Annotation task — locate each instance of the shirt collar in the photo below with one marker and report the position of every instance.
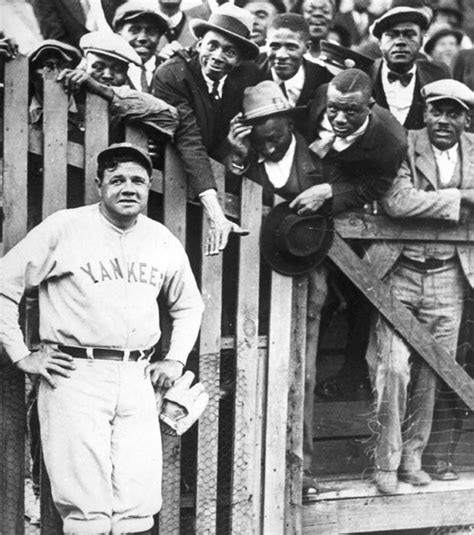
(386, 70)
(295, 81)
(288, 154)
(175, 19)
(451, 153)
(210, 83)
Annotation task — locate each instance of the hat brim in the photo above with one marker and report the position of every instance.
(387, 21)
(135, 153)
(292, 112)
(68, 54)
(248, 48)
(436, 98)
(112, 55)
(431, 43)
(285, 263)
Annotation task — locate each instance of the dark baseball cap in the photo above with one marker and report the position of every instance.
(135, 152)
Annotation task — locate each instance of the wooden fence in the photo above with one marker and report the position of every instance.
(264, 465)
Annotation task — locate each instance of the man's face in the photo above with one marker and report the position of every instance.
(52, 61)
(106, 70)
(218, 55)
(400, 45)
(143, 35)
(318, 14)
(346, 111)
(263, 14)
(272, 137)
(285, 51)
(445, 120)
(124, 192)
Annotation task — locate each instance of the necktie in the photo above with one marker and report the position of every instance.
(404, 79)
(283, 89)
(143, 81)
(215, 96)
(323, 144)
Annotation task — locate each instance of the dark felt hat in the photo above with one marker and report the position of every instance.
(439, 33)
(338, 58)
(233, 22)
(135, 153)
(293, 244)
(414, 11)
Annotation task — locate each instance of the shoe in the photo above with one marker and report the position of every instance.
(442, 471)
(418, 478)
(386, 481)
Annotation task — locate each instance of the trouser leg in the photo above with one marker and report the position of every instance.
(317, 292)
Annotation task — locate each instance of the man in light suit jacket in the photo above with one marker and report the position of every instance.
(399, 76)
(435, 182)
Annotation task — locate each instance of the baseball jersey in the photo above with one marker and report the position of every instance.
(98, 284)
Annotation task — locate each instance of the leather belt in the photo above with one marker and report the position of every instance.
(429, 264)
(101, 353)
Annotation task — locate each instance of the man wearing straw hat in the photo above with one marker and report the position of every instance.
(100, 269)
(206, 85)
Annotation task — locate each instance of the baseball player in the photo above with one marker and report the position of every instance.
(100, 269)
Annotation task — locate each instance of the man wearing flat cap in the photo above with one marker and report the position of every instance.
(206, 85)
(142, 26)
(399, 76)
(100, 269)
(435, 182)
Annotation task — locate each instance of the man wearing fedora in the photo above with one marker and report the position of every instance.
(206, 85)
(431, 279)
(287, 42)
(399, 76)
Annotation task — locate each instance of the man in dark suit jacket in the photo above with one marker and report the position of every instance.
(287, 43)
(207, 87)
(399, 76)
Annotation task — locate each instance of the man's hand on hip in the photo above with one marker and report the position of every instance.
(164, 373)
(47, 362)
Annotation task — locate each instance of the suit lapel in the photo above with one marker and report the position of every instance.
(467, 162)
(425, 162)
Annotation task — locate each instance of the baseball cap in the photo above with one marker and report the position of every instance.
(126, 149)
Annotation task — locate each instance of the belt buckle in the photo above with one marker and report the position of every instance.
(126, 355)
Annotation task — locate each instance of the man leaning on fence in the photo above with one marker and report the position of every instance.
(100, 269)
(435, 182)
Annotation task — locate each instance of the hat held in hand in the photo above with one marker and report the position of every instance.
(181, 405)
(292, 244)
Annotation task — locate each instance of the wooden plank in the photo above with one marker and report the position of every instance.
(174, 187)
(75, 152)
(362, 226)
(12, 381)
(209, 375)
(362, 274)
(55, 110)
(279, 342)
(96, 139)
(294, 445)
(135, 135)
(246, 472)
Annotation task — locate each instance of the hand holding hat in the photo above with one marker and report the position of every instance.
(181, 405)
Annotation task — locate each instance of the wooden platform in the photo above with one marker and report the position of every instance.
(355, 506)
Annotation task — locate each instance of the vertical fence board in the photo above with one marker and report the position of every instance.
(247, 426)
(209, 375)
(279, 341)
(55, 110)
(12, 381)
(137, 137)
(96, 138)
(174, 190)
(294, 456)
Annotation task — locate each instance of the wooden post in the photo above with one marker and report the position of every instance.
(96, 138)
(246, 473)
(12, 381)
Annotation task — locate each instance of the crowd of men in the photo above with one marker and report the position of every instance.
(332, 111)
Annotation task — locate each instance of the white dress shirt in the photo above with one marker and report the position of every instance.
(279, 172)
(135, 73)
(399, 98)
(446, 161)
(210, 84)
(293, 86)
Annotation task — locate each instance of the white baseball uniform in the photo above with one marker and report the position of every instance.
(98, 287)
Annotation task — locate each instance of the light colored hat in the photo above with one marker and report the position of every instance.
(133, 9)
(265, 99)
(68, 52)
(232, 21)
(109, 44)
(448, 90)
(414, 11)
